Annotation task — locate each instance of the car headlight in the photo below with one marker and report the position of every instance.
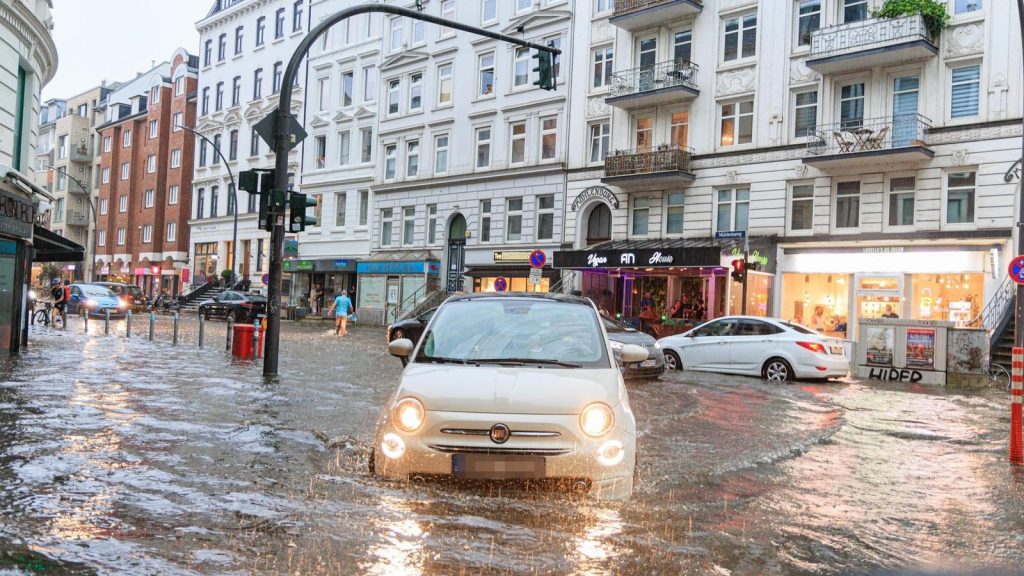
(409, 414)
(122, 303)
(616, 345)
(596, 420)
(90, 303)
(657, 345)
(31, 294)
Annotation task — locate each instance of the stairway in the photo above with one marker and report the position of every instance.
(1002, 345)
(192, 299)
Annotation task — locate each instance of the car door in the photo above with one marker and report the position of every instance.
(219, 304)
(751, 344)
(707, 348)
(75, 302)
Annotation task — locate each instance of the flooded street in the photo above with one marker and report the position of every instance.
(126, 456)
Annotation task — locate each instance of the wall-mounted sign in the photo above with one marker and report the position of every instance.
(298, 266)
(595, 192)
(399, 267)
(646, 258)
(291, 248)
(16, 216)
(754, 256)
(512, 256)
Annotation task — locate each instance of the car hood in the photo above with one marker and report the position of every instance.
(508, 390)
(638, 338)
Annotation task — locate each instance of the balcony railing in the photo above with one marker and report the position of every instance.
(77, 219)
(661, 75)
(627, 6)
(667, 158)
(80, 154)
(866, 35)
(868, 135)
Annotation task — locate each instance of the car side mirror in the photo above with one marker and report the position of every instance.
(632, 354)
(402, 349)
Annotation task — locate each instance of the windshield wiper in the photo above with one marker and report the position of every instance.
(525, 362)
(441, 360)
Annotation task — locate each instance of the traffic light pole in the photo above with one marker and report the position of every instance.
(746, 274)
(282, 144)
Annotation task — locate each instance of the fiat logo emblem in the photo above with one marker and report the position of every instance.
(500, 433)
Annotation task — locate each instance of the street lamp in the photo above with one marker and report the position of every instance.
(88, 272)
(234, 198)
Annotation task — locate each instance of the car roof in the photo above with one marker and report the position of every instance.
(549, 296)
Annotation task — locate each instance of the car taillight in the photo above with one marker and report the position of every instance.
(245, 305)
(812, 346)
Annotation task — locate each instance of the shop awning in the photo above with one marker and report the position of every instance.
(658, 253)
(51, 247)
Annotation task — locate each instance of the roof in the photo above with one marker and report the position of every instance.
(550, 296)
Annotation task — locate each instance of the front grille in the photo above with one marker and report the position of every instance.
(486, 432)
(453, 449)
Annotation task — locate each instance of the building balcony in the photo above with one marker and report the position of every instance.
(894, 139)
(81, 154)
(665, 82)
(76, 218)
(663, 166)
(635, 15)
(868, 43)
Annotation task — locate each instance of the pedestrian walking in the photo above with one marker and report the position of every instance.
(341, 309)
(315, 299)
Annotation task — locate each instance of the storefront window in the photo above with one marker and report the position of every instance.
(8, 268)
(514, 285)
(952, 297)
(759, 295)
(818, 301)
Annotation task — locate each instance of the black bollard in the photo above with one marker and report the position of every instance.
(152, 323)
(128, 324)
(175, 341)
(256, 338)
(106, 323)
(202, 329)
(85, 315)
(231, 326)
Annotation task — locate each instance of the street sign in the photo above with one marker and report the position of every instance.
(535, 276)
(1017, 269)
(730, 234)
(500, 284)
(538, 258)
(265, 128)
(265, 278)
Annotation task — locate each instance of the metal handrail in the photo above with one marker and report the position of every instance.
(867, 34)
(664, 158)
(993, 311)
(655, 77)
(401, 308)
(868, 134)
(627, 6)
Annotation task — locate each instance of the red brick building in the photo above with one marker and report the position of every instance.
(145, 183)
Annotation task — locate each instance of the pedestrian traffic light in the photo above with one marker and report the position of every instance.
(545, 79)
(739, 270)
(249, 180)
(298, 203)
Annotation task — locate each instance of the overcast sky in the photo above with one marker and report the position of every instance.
(112, 40)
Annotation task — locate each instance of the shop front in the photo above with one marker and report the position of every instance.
(324, 277)
(389, 285)
(205, 262)
(514, 267)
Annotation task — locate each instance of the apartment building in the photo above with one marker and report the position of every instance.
(46, 138)
(863, 157)
(145, 178)
(245, 45)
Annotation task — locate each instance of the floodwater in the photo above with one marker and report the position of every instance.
(137, 457)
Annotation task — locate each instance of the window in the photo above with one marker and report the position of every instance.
(604, 64)
(238, 40)
(253, 200)
(154, 97)
(486, 71)
(172, 231)
(448, 13)
(960, 197)
(965, 6)
(106, 143)
(207, 52)
(179, 85)
(855, 10)
(805, 113)
(340, 201)
(385, 226)
(489, 11)
(431, 223)
(346, 88)
(177, 122)
(415, 92)
(364, 206)
(604, 6)
(232, 197)
(545, 217)
(556, 60)
(257, 84)
(369, 82)
(640, 215)
(279, 23)
(103, 205)
(277, 77)
(412, 159)
(418, 32)
(808, 20)
(517, 132)
(441, 154)
(154, 128)
(644, 133)
(151, 164)
(200, 202)
(848, 204)
(236, 90)
(172, 195)
(61, 180)
(233, 145)
(297, 15)
(444, 84)
(101, 238)
(901, 201)
(222, 47)
(106, 175)
(214, 193)
(483, 147)
(682, 46)
(366, 142)
(396, 34)
(261, 26)
(147, 233)
(733, 209)
(122, 203)
(674, 213)
(202, 153)
(548, 138)
(320, 152)
(62, 147)
(965, 90)
(394, 93)
(124, 171)
(740, 39)
(390, 161)
(323, 93)
(485, 221)
(254, 143)
(851, 106)
(521, 67)
(122, 236)
(219, 101)
(344, 145)
(408, 225)
(737, 123)
(600, 140)
(680, 129)
(523, 5)
(148, 198)
(126, 138)
(216, 142)
(801, 207)
(514, 220)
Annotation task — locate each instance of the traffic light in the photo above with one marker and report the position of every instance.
(739, 270)
(298, 203)
(545, 78)
(249, 180)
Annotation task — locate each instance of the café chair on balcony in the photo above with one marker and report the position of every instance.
(875, 142)
(843, 144)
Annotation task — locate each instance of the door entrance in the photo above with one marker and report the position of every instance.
(456, 253)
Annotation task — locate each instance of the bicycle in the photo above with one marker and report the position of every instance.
(46, 316)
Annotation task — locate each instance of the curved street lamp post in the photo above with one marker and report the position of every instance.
(90, 264)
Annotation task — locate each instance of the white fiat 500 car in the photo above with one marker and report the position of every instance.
(517, 386)
(767, 347)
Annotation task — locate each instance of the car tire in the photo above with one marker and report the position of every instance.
(397, 334)
(777, 370)
(673, 363)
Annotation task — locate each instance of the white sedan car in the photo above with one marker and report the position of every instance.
(512, 387)
(767, 347)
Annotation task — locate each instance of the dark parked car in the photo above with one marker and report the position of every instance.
(238, 306)
(620, 334)
(128, 292)
(411, 327)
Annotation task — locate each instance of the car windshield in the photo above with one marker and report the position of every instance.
(515, 331)
(612, 326)
(133, 290)
(97, 291)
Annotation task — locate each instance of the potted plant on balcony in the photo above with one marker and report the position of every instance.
(932, 11)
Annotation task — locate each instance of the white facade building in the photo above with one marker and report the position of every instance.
(244, 47)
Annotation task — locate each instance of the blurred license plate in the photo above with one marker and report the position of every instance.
(497, 467)
(838, 350)
(648, 363)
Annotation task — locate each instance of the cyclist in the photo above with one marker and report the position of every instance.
(60, 295)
